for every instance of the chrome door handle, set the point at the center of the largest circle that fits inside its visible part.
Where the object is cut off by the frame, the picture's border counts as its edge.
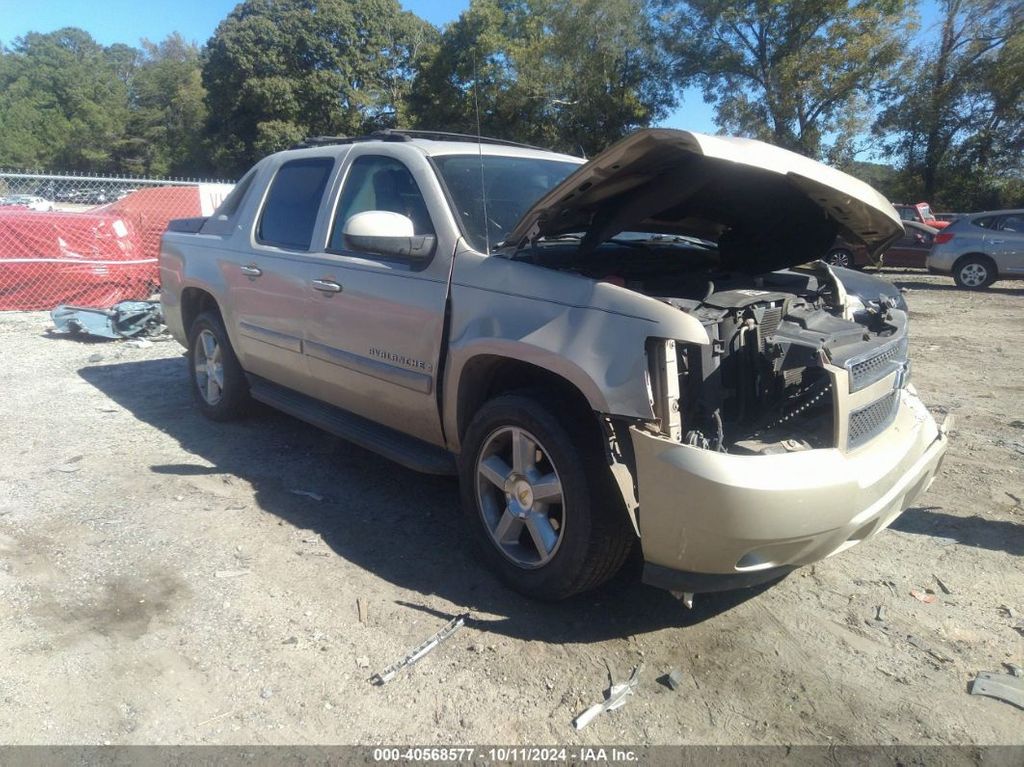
(251, 270)
(326, 286)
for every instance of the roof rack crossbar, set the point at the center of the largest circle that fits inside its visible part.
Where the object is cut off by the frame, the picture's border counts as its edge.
(394, 134)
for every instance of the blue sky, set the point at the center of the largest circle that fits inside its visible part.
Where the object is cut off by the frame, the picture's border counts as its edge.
(128, 21)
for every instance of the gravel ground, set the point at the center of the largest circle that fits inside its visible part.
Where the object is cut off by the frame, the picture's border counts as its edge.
(162, 582)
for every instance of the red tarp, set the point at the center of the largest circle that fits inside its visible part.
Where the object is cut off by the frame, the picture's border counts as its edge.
(96, 258)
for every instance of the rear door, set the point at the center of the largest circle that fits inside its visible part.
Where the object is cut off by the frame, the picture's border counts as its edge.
(269, 291)
(1006, 244)
(374, 339)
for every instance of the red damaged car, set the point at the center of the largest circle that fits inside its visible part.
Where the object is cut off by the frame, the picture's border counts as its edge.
(921, 213)
(909, 250)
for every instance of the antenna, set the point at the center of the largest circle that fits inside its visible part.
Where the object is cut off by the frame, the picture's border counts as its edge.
(480, 154)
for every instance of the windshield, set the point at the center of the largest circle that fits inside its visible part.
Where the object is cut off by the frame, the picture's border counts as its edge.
(926, 212)
(512, 185)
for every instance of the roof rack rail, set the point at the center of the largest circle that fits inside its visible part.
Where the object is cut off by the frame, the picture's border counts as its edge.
(394, 134)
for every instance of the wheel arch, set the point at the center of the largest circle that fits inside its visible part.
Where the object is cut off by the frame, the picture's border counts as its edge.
(487, 376)
(195, 301)
(980, 256)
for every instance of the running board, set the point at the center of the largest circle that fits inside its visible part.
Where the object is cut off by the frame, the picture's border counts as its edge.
(408, 451)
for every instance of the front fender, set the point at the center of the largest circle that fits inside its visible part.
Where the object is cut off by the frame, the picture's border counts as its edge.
(589, 333)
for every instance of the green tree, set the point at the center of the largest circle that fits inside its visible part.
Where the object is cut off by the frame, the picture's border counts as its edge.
(277, 71)
(570, 75)
(802, 74)
(955, 125)
(168, 111)
(62, 101)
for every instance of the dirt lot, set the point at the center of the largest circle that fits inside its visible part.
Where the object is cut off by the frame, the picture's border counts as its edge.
(160, 581)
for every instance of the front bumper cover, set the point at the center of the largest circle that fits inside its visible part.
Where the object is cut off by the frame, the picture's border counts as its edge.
(711, 521)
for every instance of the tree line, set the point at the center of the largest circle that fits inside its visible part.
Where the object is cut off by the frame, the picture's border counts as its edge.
(939, 111)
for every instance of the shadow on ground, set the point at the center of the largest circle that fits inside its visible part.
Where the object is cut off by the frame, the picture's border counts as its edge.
(402, 526)
(994, 534)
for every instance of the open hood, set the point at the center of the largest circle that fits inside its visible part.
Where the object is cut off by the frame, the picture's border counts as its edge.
(766, 208)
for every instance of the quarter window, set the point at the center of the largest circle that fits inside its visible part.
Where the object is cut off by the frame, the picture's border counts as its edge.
(1014, 223)
(289, 213)
(379, 183)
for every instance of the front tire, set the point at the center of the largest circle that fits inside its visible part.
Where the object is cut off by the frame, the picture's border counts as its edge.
(840, 257)
(974, 272)
(218, 382)
(539, 496)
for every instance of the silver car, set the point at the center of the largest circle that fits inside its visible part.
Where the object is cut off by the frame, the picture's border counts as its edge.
(980, 248)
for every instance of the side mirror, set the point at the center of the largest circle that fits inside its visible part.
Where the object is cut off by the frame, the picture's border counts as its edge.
(385, 233)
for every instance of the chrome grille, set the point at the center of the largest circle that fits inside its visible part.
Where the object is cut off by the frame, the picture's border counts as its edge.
(877, 364)
(871, 420)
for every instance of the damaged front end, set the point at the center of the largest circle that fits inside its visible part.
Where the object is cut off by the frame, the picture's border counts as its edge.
(792, 432)
(785, 370)
(791, 436)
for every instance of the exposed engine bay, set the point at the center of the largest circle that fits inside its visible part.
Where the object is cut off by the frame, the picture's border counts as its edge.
(779, 345)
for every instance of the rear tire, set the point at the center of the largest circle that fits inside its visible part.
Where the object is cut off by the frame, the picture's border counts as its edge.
(218, 381)
(540, 498)
(974, 272)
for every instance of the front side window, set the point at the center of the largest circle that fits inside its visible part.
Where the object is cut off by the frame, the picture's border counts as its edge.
(506, 186)
(379, 183)
(289, 214)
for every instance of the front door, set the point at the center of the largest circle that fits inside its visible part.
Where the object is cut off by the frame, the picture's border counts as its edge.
(373, 344)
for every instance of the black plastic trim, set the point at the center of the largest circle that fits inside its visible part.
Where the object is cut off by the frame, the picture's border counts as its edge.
(703, 583)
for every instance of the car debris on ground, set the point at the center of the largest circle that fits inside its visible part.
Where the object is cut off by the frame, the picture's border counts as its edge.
(615, 698)
(674, 679)
(1004, 687)
(417, 653)
(123, 320)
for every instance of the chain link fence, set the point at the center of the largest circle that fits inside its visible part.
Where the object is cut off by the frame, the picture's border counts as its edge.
(89, 240)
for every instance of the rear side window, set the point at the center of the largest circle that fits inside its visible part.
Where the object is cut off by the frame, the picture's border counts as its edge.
(984, 223)
(289, 214)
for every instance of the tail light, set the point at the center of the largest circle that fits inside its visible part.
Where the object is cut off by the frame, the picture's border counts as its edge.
(943, 237)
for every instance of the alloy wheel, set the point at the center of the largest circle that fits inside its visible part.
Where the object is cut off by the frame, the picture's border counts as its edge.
(519, 497)
(209, 368)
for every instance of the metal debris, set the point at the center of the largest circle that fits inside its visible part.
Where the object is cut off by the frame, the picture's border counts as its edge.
(920, 644)
(675, 679)
(945, 589)
(69, 466)
(417, 653)
(686, 597)
(616, 698)
(1014, 669)
(1004, 687)
(361, 610)
(122, 320)
(231, 573)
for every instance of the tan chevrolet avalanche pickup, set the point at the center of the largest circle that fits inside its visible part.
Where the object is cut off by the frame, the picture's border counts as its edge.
(642, 349)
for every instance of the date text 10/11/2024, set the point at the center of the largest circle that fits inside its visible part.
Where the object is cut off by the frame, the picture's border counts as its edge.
(503, 754)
